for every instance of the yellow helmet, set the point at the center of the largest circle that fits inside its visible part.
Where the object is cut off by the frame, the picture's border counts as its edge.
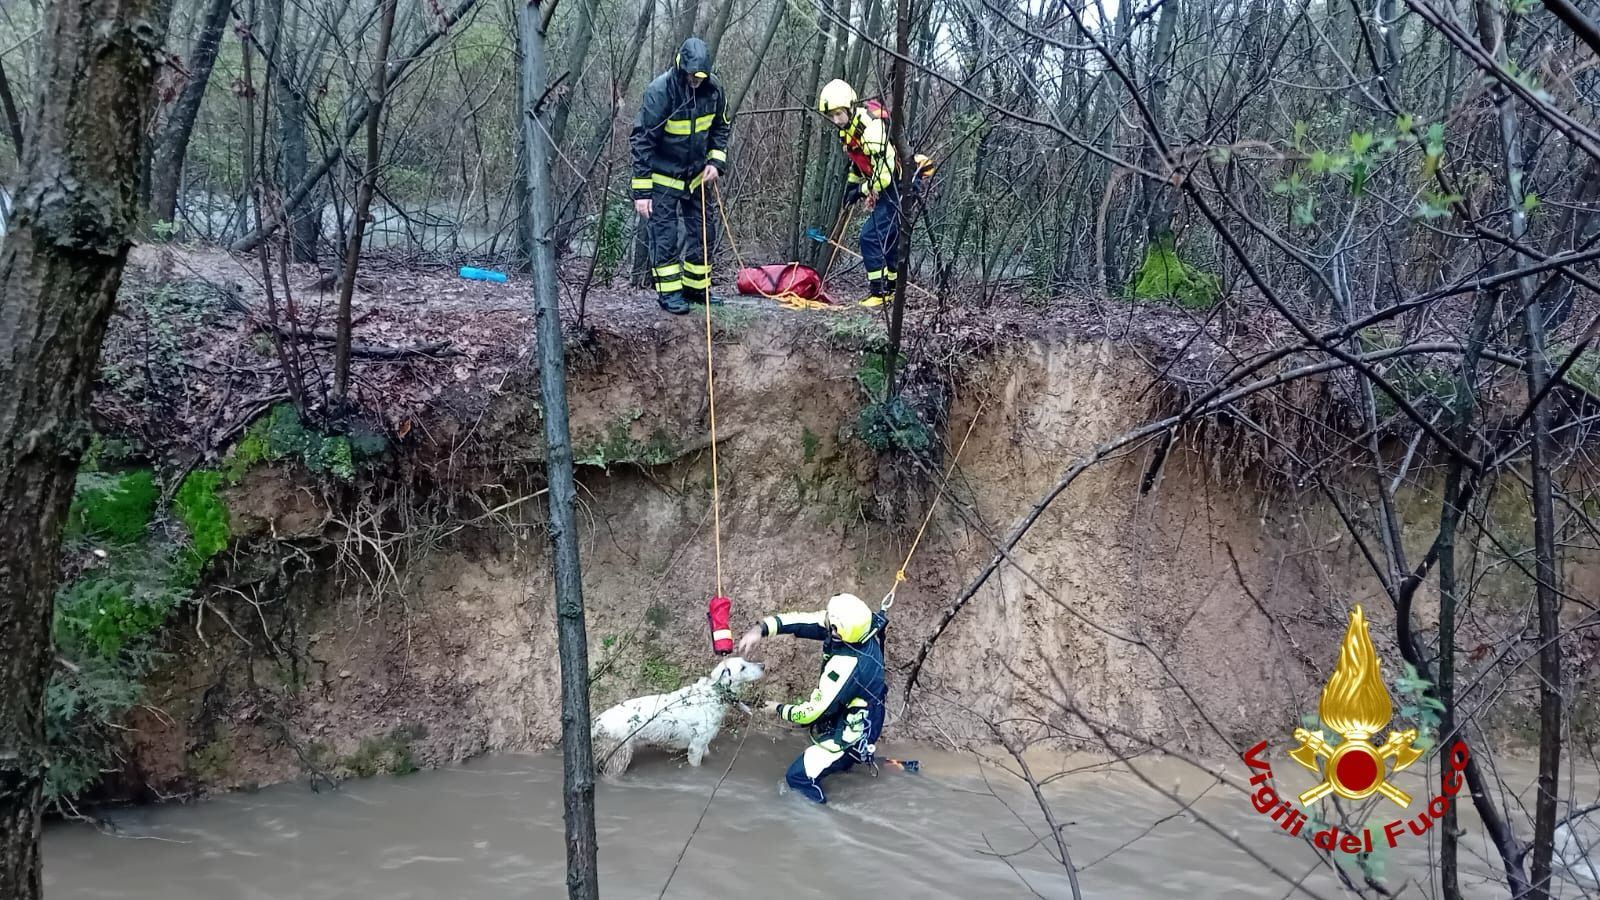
(836, 94)
(850, 617)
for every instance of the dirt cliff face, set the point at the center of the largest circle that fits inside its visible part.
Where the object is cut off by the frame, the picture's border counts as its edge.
(443, 648)
(408, 619)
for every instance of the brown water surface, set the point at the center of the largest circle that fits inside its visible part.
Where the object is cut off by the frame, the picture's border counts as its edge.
(492, 829)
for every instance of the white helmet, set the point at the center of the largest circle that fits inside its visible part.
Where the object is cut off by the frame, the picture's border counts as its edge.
(836, 94)
(850, 617)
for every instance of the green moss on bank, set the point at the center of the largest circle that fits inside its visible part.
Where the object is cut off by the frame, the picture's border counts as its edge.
(1163, 275)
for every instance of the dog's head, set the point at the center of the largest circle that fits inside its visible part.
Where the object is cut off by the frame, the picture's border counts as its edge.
(734, 671)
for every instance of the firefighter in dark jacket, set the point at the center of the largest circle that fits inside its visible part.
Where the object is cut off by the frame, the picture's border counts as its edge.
(680, 145)
(845, 712)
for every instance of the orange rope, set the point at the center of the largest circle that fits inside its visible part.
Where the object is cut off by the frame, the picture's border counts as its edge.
(711, 392)
(900, 576)
(788, 299)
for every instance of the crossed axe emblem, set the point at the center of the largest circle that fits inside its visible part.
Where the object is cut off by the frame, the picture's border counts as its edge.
(1313, 749)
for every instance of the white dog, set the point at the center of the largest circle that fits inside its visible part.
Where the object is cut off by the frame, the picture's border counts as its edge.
(686, 719)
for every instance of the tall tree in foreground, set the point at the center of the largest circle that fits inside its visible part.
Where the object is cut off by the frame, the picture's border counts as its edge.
(60, 268)
(577, 754)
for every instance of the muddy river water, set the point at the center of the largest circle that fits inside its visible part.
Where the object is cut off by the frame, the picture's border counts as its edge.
(492, 829)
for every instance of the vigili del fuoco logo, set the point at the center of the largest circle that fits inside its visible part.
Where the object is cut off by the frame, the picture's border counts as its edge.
(1355, 705)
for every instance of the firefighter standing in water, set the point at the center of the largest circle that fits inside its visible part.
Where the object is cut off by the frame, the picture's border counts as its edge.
(680, 142)
(846, 711)
(864, 132)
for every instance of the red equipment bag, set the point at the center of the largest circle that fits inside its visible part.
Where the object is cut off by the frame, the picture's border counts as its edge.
(719, 611)
(776, 281)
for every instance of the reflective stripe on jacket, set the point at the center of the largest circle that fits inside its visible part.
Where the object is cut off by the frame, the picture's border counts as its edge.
(847, 705)
(679, 130)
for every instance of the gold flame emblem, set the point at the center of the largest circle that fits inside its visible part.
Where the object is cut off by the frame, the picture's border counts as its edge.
(1356, 705)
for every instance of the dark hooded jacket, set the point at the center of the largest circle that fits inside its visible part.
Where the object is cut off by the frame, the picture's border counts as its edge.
(680, 130)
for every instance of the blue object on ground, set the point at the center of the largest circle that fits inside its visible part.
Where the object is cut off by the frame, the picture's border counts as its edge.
(482, 274)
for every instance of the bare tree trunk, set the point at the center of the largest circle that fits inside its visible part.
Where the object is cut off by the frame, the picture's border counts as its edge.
(302, 191)
(872, 21)
(305, 228)
(773, 21)
(687, 19)
(902, 250)
(288, 355)
(8, 106)
(582, 36)
(828, 167)
(369, 182)
(1575, 226)
(1547, 597)
(577, 755)
(1450, 517)
(828, 191)
(566, 223)
(802, 165)
(1112, 241)
(283, 73)
(172, 142)
(60, 268)
(519, 190)
(1389, 37)
(719, 25)
(1158, 197)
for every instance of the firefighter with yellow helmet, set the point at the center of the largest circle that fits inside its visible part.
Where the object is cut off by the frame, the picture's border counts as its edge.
(845, 712)
(864, 134)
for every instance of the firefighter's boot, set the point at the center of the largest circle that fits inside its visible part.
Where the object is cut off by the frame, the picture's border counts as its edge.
(673, 303)
(879, 292)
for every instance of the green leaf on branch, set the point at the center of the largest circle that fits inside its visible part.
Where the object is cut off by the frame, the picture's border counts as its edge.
(1436, 206)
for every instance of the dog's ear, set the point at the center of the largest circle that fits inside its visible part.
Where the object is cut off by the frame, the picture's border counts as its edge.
(724, 674)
